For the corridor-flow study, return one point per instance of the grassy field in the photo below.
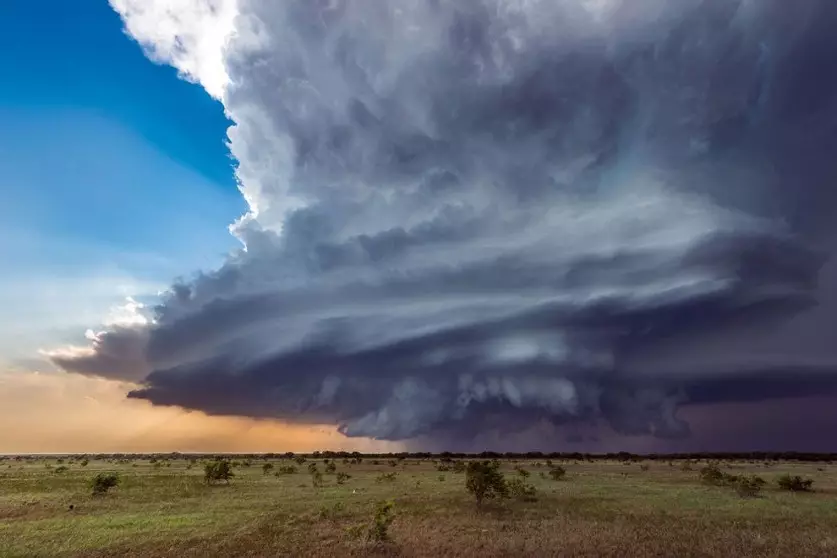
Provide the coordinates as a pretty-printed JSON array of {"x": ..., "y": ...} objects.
[{"x": 601, "y": 508}]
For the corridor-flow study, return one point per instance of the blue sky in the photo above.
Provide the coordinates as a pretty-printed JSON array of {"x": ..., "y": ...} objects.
[{"x": 114, "y": 174}]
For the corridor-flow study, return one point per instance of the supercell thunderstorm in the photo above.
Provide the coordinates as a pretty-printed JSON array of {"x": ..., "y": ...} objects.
[{"x": 487, "y": 213}]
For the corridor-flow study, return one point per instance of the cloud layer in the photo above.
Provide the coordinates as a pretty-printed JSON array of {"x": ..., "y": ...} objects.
[{"x": 490, "y": 213}]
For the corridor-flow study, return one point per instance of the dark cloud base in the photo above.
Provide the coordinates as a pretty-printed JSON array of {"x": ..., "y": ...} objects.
[{"x": 514, "y": 216}]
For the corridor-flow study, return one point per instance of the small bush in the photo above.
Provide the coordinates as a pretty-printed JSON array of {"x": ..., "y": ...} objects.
[
  {"x": 61, "y": 469},
  {"x": 84, "y": 462},
  {"x": 331, "y": 467},
  {"x": 299, "y": 459},
  {"x": 386, "y": 477},
  {"x": 266, "y": 468},
  {"x": 327, "y": 512},
  {"x": 522, "y": 472},
  {"x": 794, "y": 483},
  {"x": 103, "y": 482},
  {"x": 312, "y": 467},
  {"x": 484, "y": 480},
  {"x": 316, "y": 479},
  {"x": 458, "y": 467},
  {"x": 442, "y": 468},
  {"x": 441, "y": 478},
  {"x": 384, "y": 516},
  {"x": 643, "y": 468},
  {"x": 286, "y": 470},
  {"x": 749, "y": 487},
  {"x": 522, "y": 490},
  {"x": 343, "y": 477},
  {"x": 219, "y": 470},
  {"x": 557, "y": 473},
  {"x": 712, "y": 474}
]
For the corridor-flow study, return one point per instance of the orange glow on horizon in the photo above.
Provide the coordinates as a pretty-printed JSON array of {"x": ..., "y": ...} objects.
[{"x": 68, "y": 413}]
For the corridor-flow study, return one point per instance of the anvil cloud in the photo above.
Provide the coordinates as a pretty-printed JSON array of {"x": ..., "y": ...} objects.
[{"x": 501, "y": 212}]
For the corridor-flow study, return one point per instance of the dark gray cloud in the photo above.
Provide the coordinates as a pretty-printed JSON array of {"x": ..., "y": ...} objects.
[{"x": 492, "y": 214}]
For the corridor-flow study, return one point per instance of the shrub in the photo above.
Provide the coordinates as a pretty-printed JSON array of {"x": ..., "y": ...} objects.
[
  {"x": 316, "y": 479},
  {"x": 458, "y": 467},
  {"x": 794, "y": 483},
  {"x": 393, "y": 463},
  {"x": 103, "y": 482},
  {"x": 266, "y": 468},
  {"x": 218, "y": 470},
  {"x": 384, "y": 516},
  {"x": 286, "y": 470},
  {"x": 299, "y": 459},
  {"x": 312, "y": 467},
  {"x": 343, "y": 477},
  {"x": 330, "y": 512},
  {"x": 331, "y": 467},
  {"x": 386, "y": 477},
  {"x": 557, "y": 473},
  {"x": 749, "y": 487},
  {"x": 643, "y": 468},
  {"x": 522, "y": 472},
  {"x": 712, "y": 474},
  {"x": 61, "y": 469},
  {"x": 442, "y": 468},
  {"x": 84, "y": 462},
  {"x": 484, "y": 480},
  {"x": 441, "y": 478},
  {"x": 521, "y": 490}
]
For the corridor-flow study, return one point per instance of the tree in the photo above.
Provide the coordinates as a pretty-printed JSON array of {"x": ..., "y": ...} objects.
[
  {"x": 103, "y": 482},
  {"x": 218, "y": 470},
  {"x": 483, "y": 479}
]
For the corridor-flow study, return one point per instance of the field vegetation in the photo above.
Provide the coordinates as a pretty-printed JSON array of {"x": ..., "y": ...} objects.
[{"x": 343, "y": 504}]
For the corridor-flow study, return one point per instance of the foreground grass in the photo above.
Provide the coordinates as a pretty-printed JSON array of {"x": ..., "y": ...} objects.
[{"x": 601, "y": 509}]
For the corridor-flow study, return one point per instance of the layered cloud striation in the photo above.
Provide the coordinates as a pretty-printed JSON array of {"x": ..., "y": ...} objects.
[{"x": 499, "y": 212}]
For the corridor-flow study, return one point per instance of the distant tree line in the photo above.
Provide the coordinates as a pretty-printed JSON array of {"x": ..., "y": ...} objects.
[{"x": 447, "y": 456}]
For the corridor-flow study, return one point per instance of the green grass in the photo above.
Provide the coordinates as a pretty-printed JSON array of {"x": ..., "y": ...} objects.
[{"x": 603, "y": 508}]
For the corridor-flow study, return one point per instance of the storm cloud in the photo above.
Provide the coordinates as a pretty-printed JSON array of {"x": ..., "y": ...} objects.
[{"x": 480, "y": 214}]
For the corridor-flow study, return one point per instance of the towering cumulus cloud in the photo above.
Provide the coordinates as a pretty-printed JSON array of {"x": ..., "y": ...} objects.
[{"x": 490, "y": 213}]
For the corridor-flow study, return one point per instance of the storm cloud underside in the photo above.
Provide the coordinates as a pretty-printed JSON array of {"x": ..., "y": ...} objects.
[{"x": 483, "y": 214}]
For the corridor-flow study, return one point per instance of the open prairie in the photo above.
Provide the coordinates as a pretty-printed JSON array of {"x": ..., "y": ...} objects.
[{"x": 163, "y": 506}]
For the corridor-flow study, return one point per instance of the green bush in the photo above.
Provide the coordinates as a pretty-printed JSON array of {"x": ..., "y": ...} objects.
[
  {"x": 386, "y": 477},
  {"x": 103, "y": 482},
  {"x": 484, "y": 480},
  {"x": 286, "y": 470},
  {"x": 218, "y": 470},
  {"x": 749, "y": 487},
  {"x": 522, "y": 472},
  {"x": 331, "y": 467},
  {"x": 458, "y": 467},
  {"x": 266, "y": 468},
  {"x": 557, "y": 473},
  {"x": 312, "y": 467},
  {"x": 61, "y": 469},
  {"x": 795, "y": 483},
  {"x": 316, "y": 479},
  {"x": 343, "y": 477},
  {"x": 522, "y": 490},
  {"x": 384, "y": 516}
]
